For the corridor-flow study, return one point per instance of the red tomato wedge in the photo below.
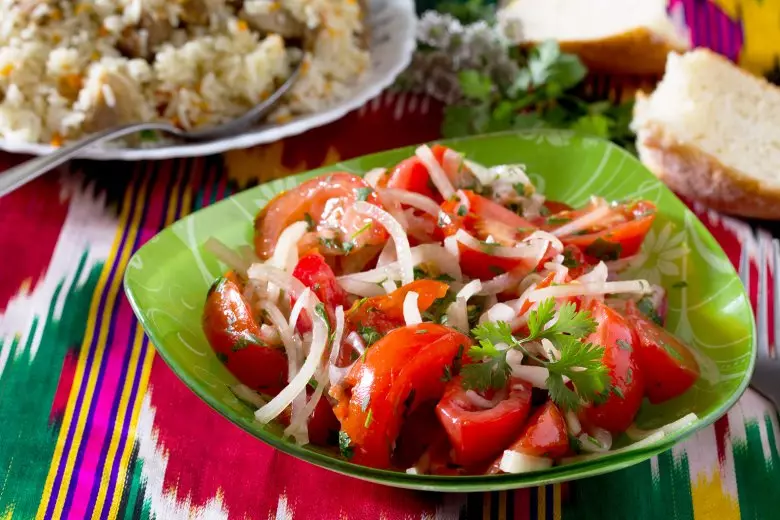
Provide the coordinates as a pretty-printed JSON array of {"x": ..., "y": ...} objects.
[
  {"x": 412, "y": 175},
  {"x": 398, "y": 373},
  {"x": 481, "y": 217},
  {"x": 316, "y": 274},
  {"x": 322, "y": 425},
  {"x": 328, "y": 202},
  {"x": 234, "y": 334},
  {"x": 668, "y": 365},
  {"x": 620, "y": 236},
  {"x": 617, "y": 337},
  {"x": 477, "y": 434},
  {"x": 544, "y": 435}
]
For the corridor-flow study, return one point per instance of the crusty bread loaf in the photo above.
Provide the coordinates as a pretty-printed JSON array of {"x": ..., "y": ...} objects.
[
  {"x": 711, "y": 132},
  {"x": 612, "y": 36}
]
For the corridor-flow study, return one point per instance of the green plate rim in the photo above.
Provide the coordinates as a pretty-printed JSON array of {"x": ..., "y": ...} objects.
[{"x": 582, "y": 469}]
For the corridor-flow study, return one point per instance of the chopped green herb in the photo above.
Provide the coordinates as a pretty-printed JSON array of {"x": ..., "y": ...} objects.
[
  {"x": 363, "y": 193},
  {"x": 319, "y": 309},
  {"x": 347, "y": 451},
  {"x": 369, "y": 334},
  {"x": 624, "y": 345},
  {"x": 421, "y": 331},
  {"x": 148, "y": 135},
  {"x": 569, "y": 260},
  {"x": 246, "y": 340},
  {"x": 629, "y": 376},
  {"x": 309, "y": 222},
  {"x": 222, "y": 357},
  {"x": 462, "y": 211},
  {"x": 554, "y": 221},
  {"x": 369, "y": 418},
  {"x": 645, "y": 306},
  {"x": 330, "y": 243},
  {"x": 315, "y": 287},
  {"x": 679, "y": 285},
  {"x": 347, "y": 247},
  {"x": 362, "y": 230},
  {"x": 443, "y": 220},
  {"x": 544, "y": 211},
  {"x": 497, "y": 270},
  {"x": 604, "y": 250},
  {"x": 618, "y": 392},
  {"x": 519, "y": 188},
  {"x": 575, "y": 444},
  {"x": 419, "y": 273},
  {"x": 444, "y": 277},
  {"x": 672, "y": 352},
  {"x": 594, "y": 440},
  {"x": 437, "y": 312},
  {"x": 447, "y": 374}
]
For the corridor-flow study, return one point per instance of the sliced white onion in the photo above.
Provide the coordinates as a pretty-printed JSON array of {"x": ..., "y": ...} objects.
[
  {"x": 500, "y": 283},
  {"x": 410, "y": 198},
  {"x": 335, "y": 347},
  {"x": 550, "y": 352},
  {"x": 536, "y": 376},
  {"x": 573, "y": 424},
  {"x": 318, "y": 343},
  {"x": 248, "y": 395},
  {"x": 436, "y": 172},
  {"x": 451, "y": 162},
  {"x": 479, "y": 401},
  {"x": 422, "y": 254},
  {"x": 291, "y": 344},
  {"x": 458, "y": 316},
  {"x": 300, "y": 303},
  {"x": 299, "y": 423},
  {"x": 470, "y": 289},
  {"x": 635, "y": 434},
  {"x": 285, "y": 254},
  {"x": 515, "y": 462},
  {"x": 226, "y": 255},
  {"x": 269, "y": 334},
  {"x": 372, "y": 177},
  {"x": 561, "y": 271},
  {"x": 603, "y": 436},
  {"x": 451, "y": 245},
  {"x": 498, "y": 312},
  {"x": 411, "y": 310},
  {"x": 598, "y": 274},
  {"x": 387, "y": 256},
  {"x": 589, "y": 289},
  {"x": 584, "y": 222},
  {"x": 356, "y": 342},
  {"x": 588, "y": 445},
  {"x": 397, "y": 233},
  {"x": 514, "y": 357},
  {"x": 361, "y": 288},
  {"x": 554, "y": 242},
  {"x": 655, "y": 437},
  {"x": 389, "y": 286},
  {"x": 482, "y": 173},
  {"x": 524, "y": 249}
]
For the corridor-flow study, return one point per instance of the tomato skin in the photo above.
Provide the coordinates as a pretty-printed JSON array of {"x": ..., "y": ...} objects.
[
  {"x": 329, "y": 201},
  {"x": 233, "y": 333},
  {"x": 316, "y": 274},
  {"x": 666, "y": 376},
  {"x": 398, "y": 373},
  {"x": 634, "y": 221},
  {"x": 477, "y": 434},
  {"x": 615, "y": 334},
  {"x": 544, "y": 435},
  {"x": 486, "y": 218},
  {"x": 412, "y": 175},
  {"x": 322, "y": 424}
]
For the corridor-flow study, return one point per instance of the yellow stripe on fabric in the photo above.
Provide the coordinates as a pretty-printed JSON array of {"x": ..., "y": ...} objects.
[
  {"x": 143, "y": 383},
  {"x": 120, "y": 420},
  {"x": 541, "y": 500},
  {"x": 486, "y": 506},
  {"x": 113, "y": 291},
  {"x": 82, "y": 360},
  {"x": 502, "y": 512},
  {"x": 710, "y": 499},
  {"x": 557, "y": 501}
]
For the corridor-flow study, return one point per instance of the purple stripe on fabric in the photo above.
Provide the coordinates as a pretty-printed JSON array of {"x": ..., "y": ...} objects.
[
  {"x": 90, "y": 502},
  {"x": 90, "y": 356},
  {"x": 102, "y": 395}
]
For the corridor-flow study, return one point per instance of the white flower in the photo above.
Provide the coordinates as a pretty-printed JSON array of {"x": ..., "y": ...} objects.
[
  {"x": 438, "y": 30},
  {"x": 660, "y": 254}
]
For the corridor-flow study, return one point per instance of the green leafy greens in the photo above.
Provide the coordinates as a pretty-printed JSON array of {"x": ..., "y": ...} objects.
[{"x": 578, "y": 361}]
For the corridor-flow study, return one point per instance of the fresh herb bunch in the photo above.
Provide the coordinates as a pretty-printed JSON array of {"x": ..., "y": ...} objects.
[
  {"x": 488, "y": 84},
  {"x": 577, "y": 360}
]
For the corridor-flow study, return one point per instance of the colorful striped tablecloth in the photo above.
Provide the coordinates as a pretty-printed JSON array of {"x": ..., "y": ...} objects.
[{"x": 94, "y": 425}]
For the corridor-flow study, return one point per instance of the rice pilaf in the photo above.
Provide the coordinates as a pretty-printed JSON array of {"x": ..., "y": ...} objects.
[{"x": 72, "y": 68}]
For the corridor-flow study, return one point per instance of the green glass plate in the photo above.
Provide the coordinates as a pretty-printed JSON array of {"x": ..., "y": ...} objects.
[{"x": 167, "y": 279}]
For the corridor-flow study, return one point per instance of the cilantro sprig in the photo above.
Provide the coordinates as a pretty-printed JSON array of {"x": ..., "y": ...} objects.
[{"x": 579, "y": 361}]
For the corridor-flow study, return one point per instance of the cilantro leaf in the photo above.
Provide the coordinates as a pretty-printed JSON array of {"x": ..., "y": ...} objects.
[
  {"x": 492, "y": 333},
  {"x": 347, "y": 451},
  {"x": 364, "y": 193},
  {"x": 570, "y": 322},
  {"x": 646, "y": 307},
  {"x": 493, "y": 372},
  {"x": 369, "y": 334},
  {"x": 601, "y": 249},
  {"x": 581, "y": 363}
]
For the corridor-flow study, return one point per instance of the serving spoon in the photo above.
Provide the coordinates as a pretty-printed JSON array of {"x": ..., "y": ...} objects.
[{"x": 22, "y": 174}]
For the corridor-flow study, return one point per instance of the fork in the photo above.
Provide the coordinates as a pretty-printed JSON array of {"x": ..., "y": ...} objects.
[{"x": 766, "y": 376}]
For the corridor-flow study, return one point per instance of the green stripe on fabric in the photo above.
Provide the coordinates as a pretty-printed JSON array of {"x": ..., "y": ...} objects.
[
  {"x": 755, "y": 472},
  {"x": 134, "y": 505},
  {"x": 635, "y": 493},
  {"x": 27, "y": 389}
]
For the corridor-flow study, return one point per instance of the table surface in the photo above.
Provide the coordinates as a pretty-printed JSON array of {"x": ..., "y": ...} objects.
[{"x": 94, "y": 424}]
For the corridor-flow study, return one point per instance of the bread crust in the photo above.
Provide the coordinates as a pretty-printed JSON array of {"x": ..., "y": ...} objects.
[
  {"x": 693, "y": 173},
  {"x": 639, "y": 51}
]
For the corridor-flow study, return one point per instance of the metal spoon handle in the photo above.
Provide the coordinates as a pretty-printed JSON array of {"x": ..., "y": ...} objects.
[{"x": 22, "y": 174}]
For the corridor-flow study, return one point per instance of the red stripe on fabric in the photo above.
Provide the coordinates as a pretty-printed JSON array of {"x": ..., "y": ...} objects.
[
  {"x": 63, "y": 386},
  {"x": 722, "y": 436},
  {"x": 32, "y": 218},
  {"x": 523, "y": 504}
]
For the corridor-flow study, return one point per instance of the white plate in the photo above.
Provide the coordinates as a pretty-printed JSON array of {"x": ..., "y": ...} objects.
[{"x": 392, "y": 23}]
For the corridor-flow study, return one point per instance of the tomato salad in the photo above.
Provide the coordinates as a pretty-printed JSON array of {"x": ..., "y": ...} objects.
[{"x": 442, "y": 317}]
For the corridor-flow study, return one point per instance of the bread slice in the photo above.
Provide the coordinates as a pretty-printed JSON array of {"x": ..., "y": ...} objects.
[
  {"x": 610, "y": 36},
  {"x": 711, "y": 132}
]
